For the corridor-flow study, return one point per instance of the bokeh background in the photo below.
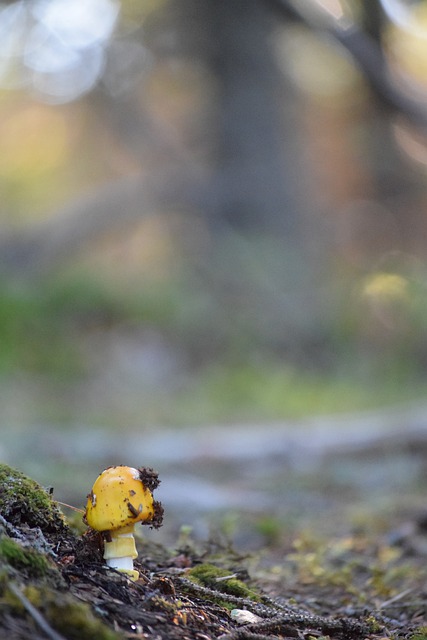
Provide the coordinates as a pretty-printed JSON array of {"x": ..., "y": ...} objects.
[{"x": 213, "y": 252}]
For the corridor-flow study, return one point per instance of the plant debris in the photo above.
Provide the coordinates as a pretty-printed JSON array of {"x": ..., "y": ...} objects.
[{"x": 54, "y": 585}]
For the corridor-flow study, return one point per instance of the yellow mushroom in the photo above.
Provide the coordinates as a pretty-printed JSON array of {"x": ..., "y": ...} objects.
[{"x": 120, "y": 497}]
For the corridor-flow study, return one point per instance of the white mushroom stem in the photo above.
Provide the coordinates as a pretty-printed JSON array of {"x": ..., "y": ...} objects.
[{"x": 120, "y": 552}]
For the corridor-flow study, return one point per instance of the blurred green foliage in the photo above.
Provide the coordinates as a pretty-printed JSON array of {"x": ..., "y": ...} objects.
[
  {"x": 31, "y": 338},
  {"x": 222, "y": 371}
]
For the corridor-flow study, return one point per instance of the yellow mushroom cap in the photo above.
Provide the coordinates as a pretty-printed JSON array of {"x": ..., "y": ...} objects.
[{"x": 118, "y": 499}]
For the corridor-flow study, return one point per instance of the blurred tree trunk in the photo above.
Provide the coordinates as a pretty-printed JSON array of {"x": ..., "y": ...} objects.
[
  {"x": 257, "y": 270},
  {"x": 373, "y": 19},
  {"x": 255, "y": 183}
]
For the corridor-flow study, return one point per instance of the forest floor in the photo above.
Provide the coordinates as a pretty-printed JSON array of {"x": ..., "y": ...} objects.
[{"x": 331, "y": 581}]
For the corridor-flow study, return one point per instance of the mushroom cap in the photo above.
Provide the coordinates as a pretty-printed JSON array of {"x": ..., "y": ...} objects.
[{"x": 118, "y": 499}]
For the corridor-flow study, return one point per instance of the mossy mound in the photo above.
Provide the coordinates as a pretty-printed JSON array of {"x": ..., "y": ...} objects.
[
  {"x": 24, "y": 502},
  {"x": 34, "y": 592}
]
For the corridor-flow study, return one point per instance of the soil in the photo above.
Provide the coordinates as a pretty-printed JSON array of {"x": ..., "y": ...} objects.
[{"x": 54, "y": 583}]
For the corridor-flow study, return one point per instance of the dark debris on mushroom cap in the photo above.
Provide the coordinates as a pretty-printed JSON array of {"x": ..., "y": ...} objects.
[
  {"x": 157, "y": 519},
  {"x": 149, "y": 478}
]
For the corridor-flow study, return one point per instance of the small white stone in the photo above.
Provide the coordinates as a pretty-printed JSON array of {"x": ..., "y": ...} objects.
[{"x": 242, "y": 616}]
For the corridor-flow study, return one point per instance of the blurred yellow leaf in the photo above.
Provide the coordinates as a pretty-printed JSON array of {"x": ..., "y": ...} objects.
[{"x": 386, "y": 287}]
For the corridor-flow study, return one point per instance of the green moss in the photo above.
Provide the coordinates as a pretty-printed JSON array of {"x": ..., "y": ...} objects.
[
  {"x": 32, "y": 563},
  {"x": 420, "y": 634},
  {"x": 213, "y": 577},
  {"x": 24, "y": 502},
  {"x": 374, "y": 625}
]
